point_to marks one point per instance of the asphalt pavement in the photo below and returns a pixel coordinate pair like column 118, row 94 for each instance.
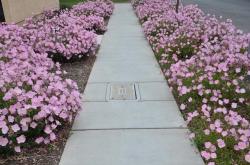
column 237, row 10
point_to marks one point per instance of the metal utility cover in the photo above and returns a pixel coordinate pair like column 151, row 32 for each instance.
column 122, row 91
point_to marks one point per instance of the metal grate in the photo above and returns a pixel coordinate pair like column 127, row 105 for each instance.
column 122, row 91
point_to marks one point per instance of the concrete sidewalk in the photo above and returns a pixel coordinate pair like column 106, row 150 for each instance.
column 129, row 115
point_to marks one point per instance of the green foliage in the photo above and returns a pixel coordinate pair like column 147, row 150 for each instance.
column 70, row 3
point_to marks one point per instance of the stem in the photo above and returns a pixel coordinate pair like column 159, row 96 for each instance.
column 177, row 6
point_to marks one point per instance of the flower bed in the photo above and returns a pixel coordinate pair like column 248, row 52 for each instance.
column 69, row 33
column 101, row 8
column 36, row 101
column 206, row 63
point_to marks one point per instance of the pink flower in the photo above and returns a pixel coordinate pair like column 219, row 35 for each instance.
column 47, row 130
column 11, row 119
column 63, row 115
column 205, row 155
column 5, row 130
column 7, row 96
column 182, row 107
column 217, row 123
column 33, row 125
column 212, row 126
column 247, row 157
column 242, row 90
column 213, row 155
column 234, row 105
column 3, row 141
column 192, row 135
column 21, row 139
column 190, row 99
column 17, row 149
column 221, row 143
column 242, row 145
column 39, row 140
column 52, row 136
column 184, row 90
column 207, row 131
column 226, row 101
column 224, row 133
column 15, row 128
column 208, row 145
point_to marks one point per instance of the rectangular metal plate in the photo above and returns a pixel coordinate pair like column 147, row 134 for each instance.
column 122, row 91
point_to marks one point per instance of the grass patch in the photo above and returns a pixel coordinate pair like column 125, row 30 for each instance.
column 120, row 1
column 69, row 3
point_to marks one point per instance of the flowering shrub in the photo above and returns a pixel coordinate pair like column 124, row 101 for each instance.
column 62, row 37
column 88, row 22
column 206, row 63
column 34, row 100
column 149, row 11
column 101, row 8
column 11, row 36
column 69, row 33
